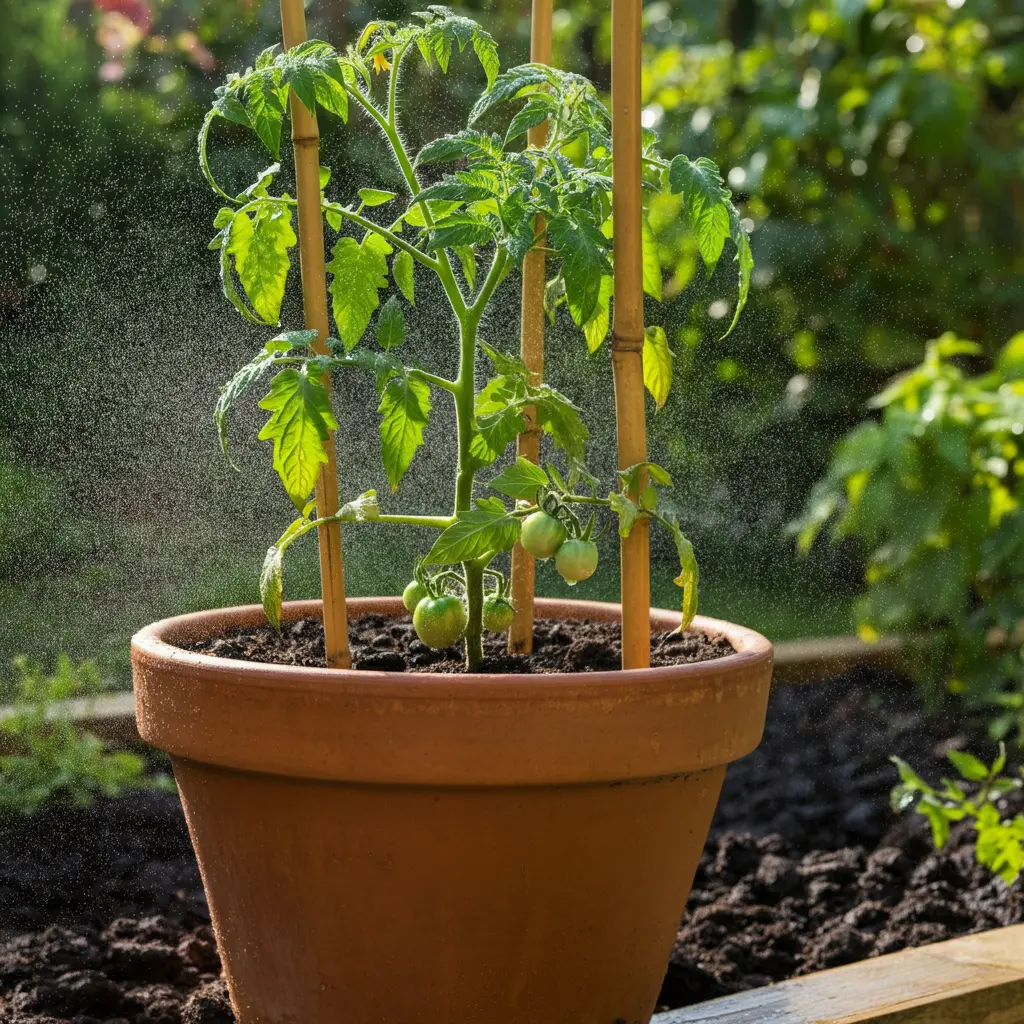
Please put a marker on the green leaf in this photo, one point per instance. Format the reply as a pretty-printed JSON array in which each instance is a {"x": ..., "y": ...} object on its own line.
[
  {"x": 454, "y": 190},
  {"x": 630, "y": 476},
  {"x": 414, "y": 216},
  {"x": 536, "y": 112},
  {"x": 595, "y": 330},
  {"x": 375, "y": 196},
  {"x": 299, "y": 427},
  {"x": 405, "y": 406},
  {"x": 626, "y": 510},
  {"x": 403, "y": 270},
  {"x": 969, "y": 766},
  {"x": 467, "y": 143},
  {"x": 689, "y": 574},
  {"x": 497, "y": 417},
  {"x": 252, "y": 372},
  {"x": 520, "y": 481},
  {"x": 504, "y": 364},
  {"x": 507, "y": 85},
  {"x": 460, "y": 229},
  {"x": 467, "y": 260},
  {"x": 584, "y": 263},
  {"x": 652, "y": 265},
  {"x": 391, "y": 325},
  {"x": 706, "y": 202},
  {"x": 939, "y": 821},
  {"x": 272, "y": 585},
  {"x": 657, "y": 360},
  {"x": 557, "y": 416},
  {"x": 487, "y": 53},
  {"x": 260, "y": 248},
  {"x": 359, "y": 272},
  {"x": 363, "y": 509},
  {"x": 484, "y": 530},
  {"x": 264, "y": 107},
  {"x": 745, "y": 260}
]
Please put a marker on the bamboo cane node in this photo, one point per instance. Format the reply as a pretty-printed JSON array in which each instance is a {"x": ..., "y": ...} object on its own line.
[
  {"x": 624, "y": 344},
  {"x": 305, "y": 140}
]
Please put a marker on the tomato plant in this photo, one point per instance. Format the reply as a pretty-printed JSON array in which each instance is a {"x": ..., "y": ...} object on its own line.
[{"x": 470, "y": 227}]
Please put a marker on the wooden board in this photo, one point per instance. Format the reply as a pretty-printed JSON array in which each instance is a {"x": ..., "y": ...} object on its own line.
[{"x": 978, "y": 979}]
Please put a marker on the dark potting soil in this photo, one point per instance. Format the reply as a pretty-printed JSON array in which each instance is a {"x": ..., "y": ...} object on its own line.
[
  {"x": 390, "y": 645},
  {"x": 103, "y": 921}
]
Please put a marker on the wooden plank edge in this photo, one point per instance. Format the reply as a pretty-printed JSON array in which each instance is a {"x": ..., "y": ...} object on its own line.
[{"x": 976, "y": 979}]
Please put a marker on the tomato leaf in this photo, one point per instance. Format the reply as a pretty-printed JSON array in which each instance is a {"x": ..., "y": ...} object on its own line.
[
  {"x": 652, "y": 264},
  {"x": 507, "y": 85},
  {"x": 483, "y": 530},
  {"x": 467, "y": 143},
  {"x": 584, "y": 263},
  {"x": 359, "y": 272},
  {"x": 657, "y": 361},
  {"x": 405, "y": 407},
  {"x": 689, "y": 573},
  {"x": 706, "y": 202},
  {"x": 595, "y": 330},
  {"x": 521, "y": 480},
  {"x": 403, "y": 271},
  {"x": 391, "y": 325},
  {"x": 627, "y": 511},
  {"x": 375, "y": 196},
  {"x": 299, "y": 425},
  {"x": 745, "y": 260}
]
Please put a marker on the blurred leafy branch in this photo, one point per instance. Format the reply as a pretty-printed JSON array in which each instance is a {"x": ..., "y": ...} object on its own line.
[{"x": 933, "y": 492}]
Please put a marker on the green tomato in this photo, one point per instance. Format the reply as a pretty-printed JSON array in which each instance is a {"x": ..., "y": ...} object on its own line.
[
  {"x": 498, "y": 613},
  {"x": 413, "y": 594},
  {"x": 576, "y": 560},
  {"x": 542, "y": 535},
  {"x": 440, "y": 621}
]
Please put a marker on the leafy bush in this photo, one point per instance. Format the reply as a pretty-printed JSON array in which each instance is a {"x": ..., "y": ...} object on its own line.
[
  {"x": 933, "y": 493},
  {"x": 1000, "y": 843},
  {"x": 54, "y": 761}
]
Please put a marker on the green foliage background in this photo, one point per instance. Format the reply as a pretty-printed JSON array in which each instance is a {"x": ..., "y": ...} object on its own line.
[{"x": 876, "y": 146}]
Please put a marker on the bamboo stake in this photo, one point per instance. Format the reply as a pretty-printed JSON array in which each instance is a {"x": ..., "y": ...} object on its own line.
[
  {"x": 520, "y": 639},
  {"x": 306, "y": 146},
  {"x": 628, "y": 328}
]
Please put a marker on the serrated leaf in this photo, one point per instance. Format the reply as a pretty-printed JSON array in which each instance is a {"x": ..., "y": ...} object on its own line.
[
  {"x": 264, "y": 107},
  {"x": 595, "y": 330},
  {"x": 300, "y": 424},
  {"x": 272, "y": 585},
  {"x": 557, "y": 416},
  {"x": 466, "y": 143},
  {"x": 689, "y": 574},
  {"x": 706, "y": 202},
  {"x": 504, "y": 364},
  {"x": 627, "y": 511},
  {"x": 375, "y": 196},
  {"x": 657, "y": 361},
  {"x": 536, "y": 112},
  {"x": 414, "y": 216},
  {"x": 487, "y": 53},
  {"x": 460, "y": 229},
  {"x": 505, "y": 86},
  {"x": 391, "y": 325},
  {"x": 405, "y": 407},
  {"x": 260, "y": 248},
  {"x": 455, "y": 190},
  {"x": 630, "y": 476},
  {"x": 403, "y": 269},
  {"x": 481, "y": 531},
  {"x": 467, "y": 260},
  {"x": 359, "y": 272},
  {"x": 584, "y": 263},
  {"x": 520, "y": 481}
]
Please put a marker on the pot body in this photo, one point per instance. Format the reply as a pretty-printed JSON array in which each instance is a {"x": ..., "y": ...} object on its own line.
[{"x": 398, "y": 848}]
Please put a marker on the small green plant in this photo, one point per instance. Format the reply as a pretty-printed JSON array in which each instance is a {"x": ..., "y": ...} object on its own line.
[
  {"x": 55, "y": 762},
  {"x": 469, "y": 227},
  {"x": 934, "y": 492},
  {"x": 1000, "y": 843}
]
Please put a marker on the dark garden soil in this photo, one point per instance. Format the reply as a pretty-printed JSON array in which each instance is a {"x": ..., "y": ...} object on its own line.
[
  {"x": 102, "y": 917},
  {"x": 386, "y": 645}
]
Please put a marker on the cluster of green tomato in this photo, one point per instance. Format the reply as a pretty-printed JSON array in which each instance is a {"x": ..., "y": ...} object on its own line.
[{"x": 440, "y": 619}]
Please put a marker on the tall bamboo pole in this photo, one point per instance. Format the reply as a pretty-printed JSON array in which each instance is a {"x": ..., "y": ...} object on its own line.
[
  {"x": 306, "y": 146},
  {"x": 628, "y": 327},
  {"x": 520, "y": 639}
]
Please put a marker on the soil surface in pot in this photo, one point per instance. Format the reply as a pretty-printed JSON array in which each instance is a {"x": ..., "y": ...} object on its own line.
[
  {"x": 103, "y": 921},
  {"x": 391, "y": 645}
]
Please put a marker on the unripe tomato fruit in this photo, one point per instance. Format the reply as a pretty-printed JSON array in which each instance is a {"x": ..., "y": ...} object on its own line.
[
  {"x": 439, "y": 621},
  {"x": 576, "y": 560},
  {"x": 542, "y": 535},
  {"x": 498, "y": 613},
  {"x": 413, "y": 594}
]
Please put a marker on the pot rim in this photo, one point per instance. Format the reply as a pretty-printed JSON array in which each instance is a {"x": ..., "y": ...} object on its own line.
[
  {"x": 436, "y": 729},
  {"x": 159, "y": 641}
]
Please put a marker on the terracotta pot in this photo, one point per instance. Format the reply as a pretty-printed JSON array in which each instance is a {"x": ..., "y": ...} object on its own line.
[{"x": 392, "y": 848}]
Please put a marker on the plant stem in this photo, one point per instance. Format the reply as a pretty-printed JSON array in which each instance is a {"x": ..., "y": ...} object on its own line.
[{"x": 475, "y": 609}]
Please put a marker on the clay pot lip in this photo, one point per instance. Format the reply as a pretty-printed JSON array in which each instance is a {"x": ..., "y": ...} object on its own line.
[{"x": 156, "y": 644}]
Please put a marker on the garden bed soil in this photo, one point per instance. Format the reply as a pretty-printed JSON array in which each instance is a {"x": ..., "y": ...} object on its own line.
[
  {"x": 103, "y": 921},
  {"x": 385, "y": 644}
]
